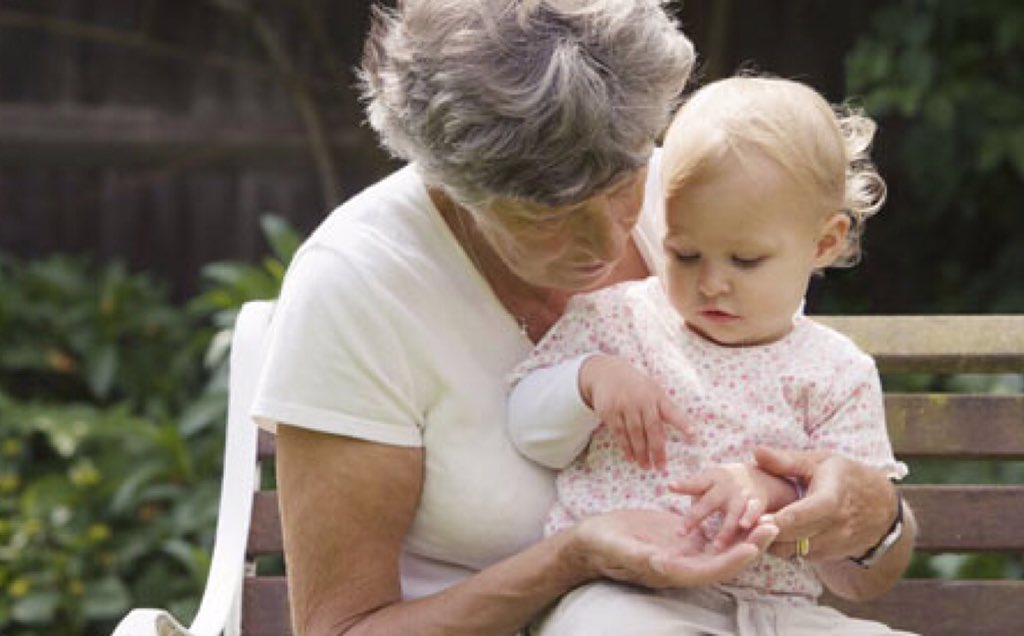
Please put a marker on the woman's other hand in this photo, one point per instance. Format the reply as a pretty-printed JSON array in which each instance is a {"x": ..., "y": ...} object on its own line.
[
  {"x": 651, "y": 548},
  {"x": 847, "y": 508},
  {"x": 633, "y": 406}
]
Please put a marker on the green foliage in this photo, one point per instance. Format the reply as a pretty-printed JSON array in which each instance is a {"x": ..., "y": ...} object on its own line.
[
  {"x": 72, "y": 332},
  {"x": 112, "y": 404},
  {"x": 101, "y": 510},
  {"x": 946, "y": 79}
]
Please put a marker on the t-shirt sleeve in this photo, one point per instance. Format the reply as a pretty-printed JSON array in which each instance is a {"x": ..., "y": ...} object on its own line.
[
  {"x": 335, "y": 363},
  {"x": 849, "y": 417}
]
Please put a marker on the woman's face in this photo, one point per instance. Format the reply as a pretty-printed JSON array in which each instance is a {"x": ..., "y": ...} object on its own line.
[{"x": 572, "y": 247}]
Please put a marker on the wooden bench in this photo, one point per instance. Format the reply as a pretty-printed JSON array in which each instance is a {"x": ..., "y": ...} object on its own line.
[{"x": 954, "y": 518}]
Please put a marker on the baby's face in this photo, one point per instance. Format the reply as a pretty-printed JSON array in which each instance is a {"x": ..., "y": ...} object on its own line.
[{"x": 742, "y": 243}]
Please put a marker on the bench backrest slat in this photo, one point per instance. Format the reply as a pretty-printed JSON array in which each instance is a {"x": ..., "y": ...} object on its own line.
[
  {"x": 937, "y": 344},
  {"x": 936, "y": 425}
]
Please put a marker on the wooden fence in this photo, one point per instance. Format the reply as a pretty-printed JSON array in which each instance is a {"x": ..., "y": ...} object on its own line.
[{"x": 158, "y": 132}]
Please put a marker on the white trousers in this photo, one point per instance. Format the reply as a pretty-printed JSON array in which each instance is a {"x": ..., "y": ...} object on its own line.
[{"x": 613, "y": 609}]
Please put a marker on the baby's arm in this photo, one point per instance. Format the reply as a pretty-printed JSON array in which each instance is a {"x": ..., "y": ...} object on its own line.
[
  {"x": 553, "y": 411},
  {"x": 741, "y": 492},
  {"x": 548, "y": 420}
]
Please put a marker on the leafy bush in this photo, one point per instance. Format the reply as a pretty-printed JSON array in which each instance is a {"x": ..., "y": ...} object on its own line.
[
  {"x": 112, "y": 404},
  {"x": 72, "y": 332},
  {"x": 946, "y": 80}
]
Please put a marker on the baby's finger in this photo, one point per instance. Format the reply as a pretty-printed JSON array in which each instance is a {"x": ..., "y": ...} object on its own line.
[
  {"x": 733, "y": 511},
  {"x": 618, "y": 428},
  {"x": 701, "y": 509},
  {"x": 754, "y": 510},
  {"x": 674, "y": 417},
  {"x": 655, "y": 438},
  {"x": 637, "y": 439}
]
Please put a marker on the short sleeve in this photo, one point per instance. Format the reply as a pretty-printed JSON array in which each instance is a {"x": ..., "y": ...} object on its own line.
[
  {"x": 849, "y": 418},
  {"x": 335, "y": 361}
]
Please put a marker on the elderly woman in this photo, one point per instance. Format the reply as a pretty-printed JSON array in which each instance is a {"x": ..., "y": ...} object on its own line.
[{"x": 529, "y": 129}]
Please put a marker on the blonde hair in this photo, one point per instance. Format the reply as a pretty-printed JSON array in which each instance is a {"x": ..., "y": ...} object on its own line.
[{"x": 824, "y": 149}]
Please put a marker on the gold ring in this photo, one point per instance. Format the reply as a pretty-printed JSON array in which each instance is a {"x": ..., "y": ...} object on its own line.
[{"x": 803, "y": 547}]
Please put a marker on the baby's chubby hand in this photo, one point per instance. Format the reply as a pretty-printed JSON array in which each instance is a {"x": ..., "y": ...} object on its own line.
[
  {"x": 633, "y": 406},
  {"x": 740, "y": 492}
]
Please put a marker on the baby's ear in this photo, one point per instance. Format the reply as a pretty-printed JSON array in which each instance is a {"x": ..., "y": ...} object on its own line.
[{"x": 832, "y": 240}]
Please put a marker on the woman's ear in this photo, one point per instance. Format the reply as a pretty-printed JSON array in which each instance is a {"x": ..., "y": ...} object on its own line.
[{"x": 831, "y": 240}]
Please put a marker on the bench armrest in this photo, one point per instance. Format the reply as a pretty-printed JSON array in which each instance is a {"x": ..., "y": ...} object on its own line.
[{"x": 219, "y": 611}]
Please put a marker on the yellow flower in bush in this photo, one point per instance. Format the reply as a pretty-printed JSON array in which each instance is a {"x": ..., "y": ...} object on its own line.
[
  {"x": 98, "y": 532},
  {"x": 19, "y": 587},
  {"x": 12, "y": 447},
  {"x": 9, "y": 482},
  {"x": 75, "y": 587},
  {"x": 84, "y": 473}
]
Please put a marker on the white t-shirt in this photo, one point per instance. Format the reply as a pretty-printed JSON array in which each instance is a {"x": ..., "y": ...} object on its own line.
[{"x": 385, "y": 331}]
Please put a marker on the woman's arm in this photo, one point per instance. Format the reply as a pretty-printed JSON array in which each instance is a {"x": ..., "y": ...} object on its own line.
[
  {"x": 848, "y": 507},
  {"x": 347, "y": 505}
]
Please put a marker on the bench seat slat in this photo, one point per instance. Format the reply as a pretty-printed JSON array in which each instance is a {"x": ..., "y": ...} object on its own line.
[
  {"x": 938, "y": 344},
  {"x": 965, "y": 426},
  {"x": 996, "y": 514},
  {"x": 938, "y": 607}
]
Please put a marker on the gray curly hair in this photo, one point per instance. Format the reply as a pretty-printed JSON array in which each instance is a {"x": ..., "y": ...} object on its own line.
[{"x": 545, "y": 101}]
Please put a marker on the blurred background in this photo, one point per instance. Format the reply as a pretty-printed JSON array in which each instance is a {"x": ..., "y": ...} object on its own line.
[{"x": 160, "y": 161}]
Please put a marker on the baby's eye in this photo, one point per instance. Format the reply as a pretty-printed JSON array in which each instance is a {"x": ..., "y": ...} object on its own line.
[
  {"x": 747, "y": 262},
  {"x": 687, "y": 257}
]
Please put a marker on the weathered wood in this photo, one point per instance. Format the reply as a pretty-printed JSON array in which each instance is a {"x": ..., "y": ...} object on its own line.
[
  {"x": 266, "y": 446},
  {"x": 265, "y": 609},
  {"x": 968, "y": 518},
  {"x": 938, "y": 344},
  {"x": 121, "y": 136},
  {"x": 935, "y": 607},
  {"x": 965, "y": 426},
  {"x": 265, "y": 527},
  {"x": 996, "y": 515}
]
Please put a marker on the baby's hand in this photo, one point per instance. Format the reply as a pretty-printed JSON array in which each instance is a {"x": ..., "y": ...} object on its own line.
[
  {"x": 632, "y": 405},
  {"x": 741, "y": 492}
]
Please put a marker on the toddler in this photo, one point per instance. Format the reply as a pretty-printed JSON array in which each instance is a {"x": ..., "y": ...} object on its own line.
[{"x": 654, "y": 394}]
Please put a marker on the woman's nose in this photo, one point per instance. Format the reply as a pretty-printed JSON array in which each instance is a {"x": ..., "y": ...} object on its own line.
[{"x": 604, "y": 237}]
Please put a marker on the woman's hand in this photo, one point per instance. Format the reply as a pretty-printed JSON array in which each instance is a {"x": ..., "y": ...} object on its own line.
[
  {"x": 740, "y": 492},
  {"x": 650, "y": 547},
  {"x": 632, "y": 405},
  {"x": 847, "y": 508}
]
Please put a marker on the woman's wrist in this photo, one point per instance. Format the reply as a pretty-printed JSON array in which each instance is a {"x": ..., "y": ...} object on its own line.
[{"x": 575, "y": 563}]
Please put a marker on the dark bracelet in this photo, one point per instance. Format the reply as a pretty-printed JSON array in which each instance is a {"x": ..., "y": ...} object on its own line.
[{"x": 889, "y": 539}]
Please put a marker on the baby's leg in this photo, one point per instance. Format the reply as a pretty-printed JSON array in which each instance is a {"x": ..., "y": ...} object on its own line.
[{"x": 614, "y": 609}]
